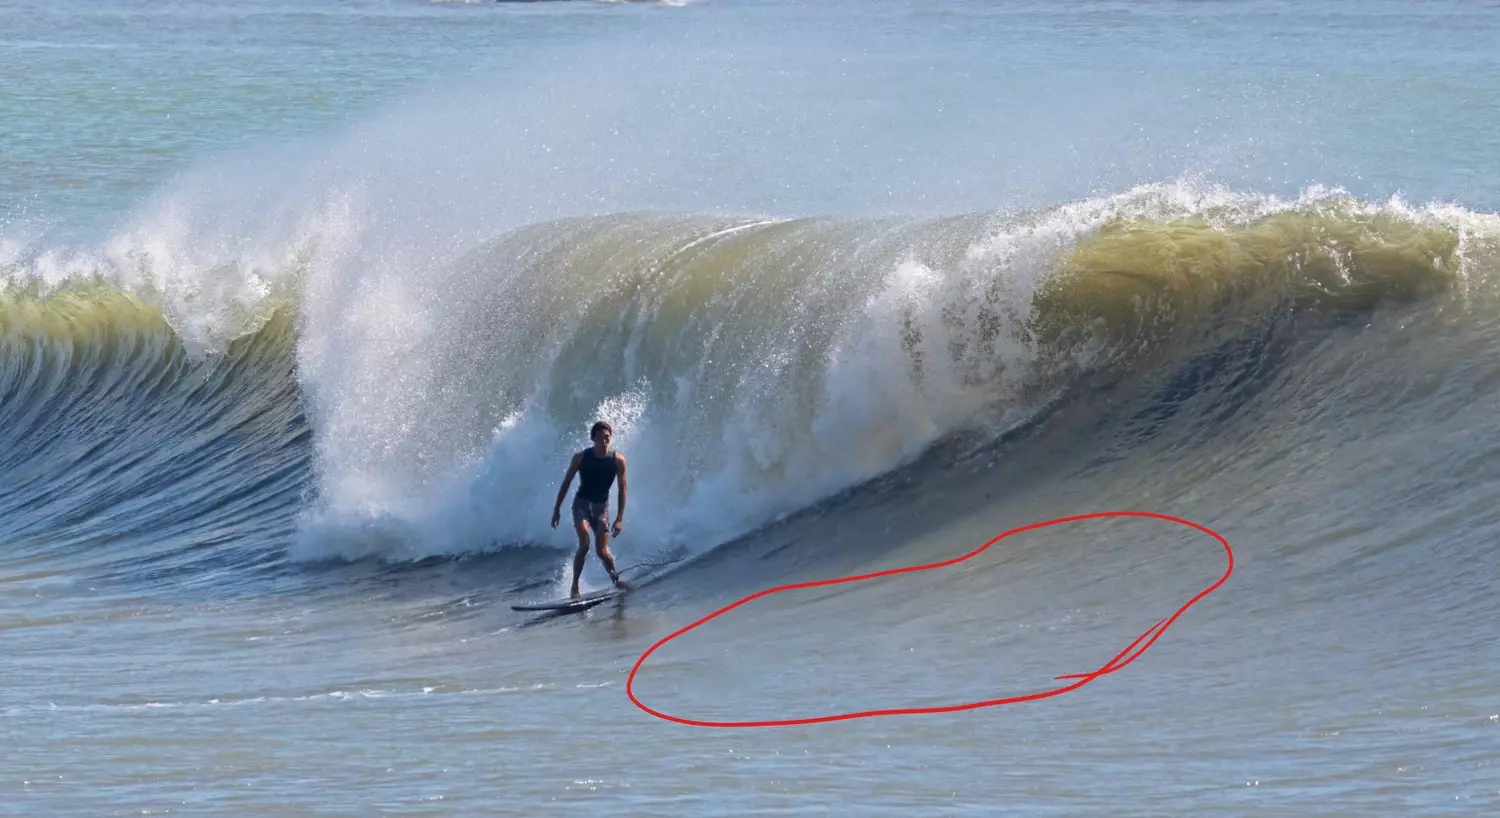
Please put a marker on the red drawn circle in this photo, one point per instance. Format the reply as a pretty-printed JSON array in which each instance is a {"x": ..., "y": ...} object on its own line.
[{"x": 1131, "y": 652}]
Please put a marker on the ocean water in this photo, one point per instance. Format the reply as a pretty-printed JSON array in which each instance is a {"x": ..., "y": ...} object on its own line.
[{"x": 305, "y": 306}]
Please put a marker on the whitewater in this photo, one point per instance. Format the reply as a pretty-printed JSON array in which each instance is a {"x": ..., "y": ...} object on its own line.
[{"x": 304, "y": 308}]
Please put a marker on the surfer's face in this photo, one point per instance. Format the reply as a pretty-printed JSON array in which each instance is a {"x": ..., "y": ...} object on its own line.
[{"x": 602, "y": 437}]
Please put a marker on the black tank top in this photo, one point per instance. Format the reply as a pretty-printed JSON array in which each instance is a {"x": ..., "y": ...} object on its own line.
[{"x": 595, "y": 475}]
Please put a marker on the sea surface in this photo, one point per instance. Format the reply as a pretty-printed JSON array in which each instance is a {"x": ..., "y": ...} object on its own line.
[{"x": 305, "y": 305}]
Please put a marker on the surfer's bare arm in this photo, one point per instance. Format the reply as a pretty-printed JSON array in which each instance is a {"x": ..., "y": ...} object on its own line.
[
  {"x": 620, "y": 517},
  {"x": 562, "y": 491}
]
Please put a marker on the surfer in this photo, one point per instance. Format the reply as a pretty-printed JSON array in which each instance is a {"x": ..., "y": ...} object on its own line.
[{"x": 596, "y": 467}]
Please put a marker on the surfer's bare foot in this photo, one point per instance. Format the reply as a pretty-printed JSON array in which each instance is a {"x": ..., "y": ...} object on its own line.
[
  {"x": 622, "y": 584},
  {"x": 575, "y": 594}
]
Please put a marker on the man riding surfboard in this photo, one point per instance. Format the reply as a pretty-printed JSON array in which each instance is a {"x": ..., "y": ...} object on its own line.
[{"x": 596, "y": 467}]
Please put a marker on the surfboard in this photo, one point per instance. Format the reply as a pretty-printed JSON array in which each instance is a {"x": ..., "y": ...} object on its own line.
[{"x": 583, "y": 603}]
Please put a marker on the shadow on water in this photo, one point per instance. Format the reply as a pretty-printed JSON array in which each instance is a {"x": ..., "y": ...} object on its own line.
[
  {"x": 480, "y": 578},
  {"x": 1227, "y": 377}
]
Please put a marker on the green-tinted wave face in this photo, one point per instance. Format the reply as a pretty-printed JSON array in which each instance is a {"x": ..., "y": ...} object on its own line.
[
  {"x": 75, "y": 312},
  {"x": 1150, "y": 284}
]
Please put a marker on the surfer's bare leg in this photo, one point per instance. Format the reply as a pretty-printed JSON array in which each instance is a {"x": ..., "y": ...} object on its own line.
[
  {"x": 580, "y": 557},
  {"x": 601, "y": 547}
]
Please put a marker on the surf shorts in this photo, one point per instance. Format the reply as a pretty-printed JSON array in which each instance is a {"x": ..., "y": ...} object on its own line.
[{"x": 595, "y": 514}]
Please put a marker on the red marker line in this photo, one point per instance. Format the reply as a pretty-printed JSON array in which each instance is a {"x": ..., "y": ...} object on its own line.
[{"x": 1131, "y": 652}]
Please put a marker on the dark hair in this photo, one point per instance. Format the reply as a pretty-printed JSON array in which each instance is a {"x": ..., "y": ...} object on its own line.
[{"x": 601, "y": 426}]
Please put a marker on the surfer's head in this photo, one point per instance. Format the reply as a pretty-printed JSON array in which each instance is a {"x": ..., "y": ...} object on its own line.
[{"x": 601, "y": 432}]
